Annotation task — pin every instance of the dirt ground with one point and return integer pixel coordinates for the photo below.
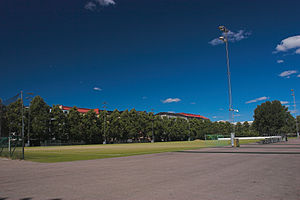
(251, 172)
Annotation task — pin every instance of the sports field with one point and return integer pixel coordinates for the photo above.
(90, 152)
(251, 172)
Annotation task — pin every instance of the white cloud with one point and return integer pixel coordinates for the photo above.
(92, 5)
(289, 43)
(287, 73)
(280, 61)
(170, 100)
(193, 103)
(214, 117)
(105, 2)
(97, 89)
(298, 76)
(232, 37)
(257, 99)
(284, 102)
(144, 97)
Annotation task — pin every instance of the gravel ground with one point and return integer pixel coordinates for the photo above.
(251, 172)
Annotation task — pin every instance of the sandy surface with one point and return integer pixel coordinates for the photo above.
(247, 173)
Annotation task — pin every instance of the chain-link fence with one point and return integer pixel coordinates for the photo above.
(12, 127)
(11, 147)
(214, 140)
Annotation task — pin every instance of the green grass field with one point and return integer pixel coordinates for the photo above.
(89, 152)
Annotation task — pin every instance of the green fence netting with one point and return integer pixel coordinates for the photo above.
(11, 147)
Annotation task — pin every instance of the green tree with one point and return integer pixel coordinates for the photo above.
(133, 125)
(203, 127)
(218, 128)
(193, 128)
(143, 125)
(246, 126)
(40, 119)
(238, 129)
(153, 125)
(221, 128)
(14, 117)
(290, 126)
(125, 125)
(247, 130)
(74, 122)
(2, 120)
(91, 133)
(198, 128)
(115, 129)
(298, 123)
(104, 125)
(157, 128)
(58, 123)
(228, 128)
(180, 130)
(166, 126)
(270, 118)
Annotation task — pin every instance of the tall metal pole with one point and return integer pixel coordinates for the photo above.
(22, 110)
(231, 110)
(28, 131)
(295, 110)
(28, 140)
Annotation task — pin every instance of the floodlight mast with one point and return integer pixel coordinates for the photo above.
(224, 38)
(28, 133)
(295, 110)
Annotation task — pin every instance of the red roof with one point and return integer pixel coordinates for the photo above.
(81, 110)
(192, 115)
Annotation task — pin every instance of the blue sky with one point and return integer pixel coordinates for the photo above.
(158, 54)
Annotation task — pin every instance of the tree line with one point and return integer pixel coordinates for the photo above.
(43, 123)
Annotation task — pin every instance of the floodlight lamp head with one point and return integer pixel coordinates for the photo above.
(221, 28)
(222, 38)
